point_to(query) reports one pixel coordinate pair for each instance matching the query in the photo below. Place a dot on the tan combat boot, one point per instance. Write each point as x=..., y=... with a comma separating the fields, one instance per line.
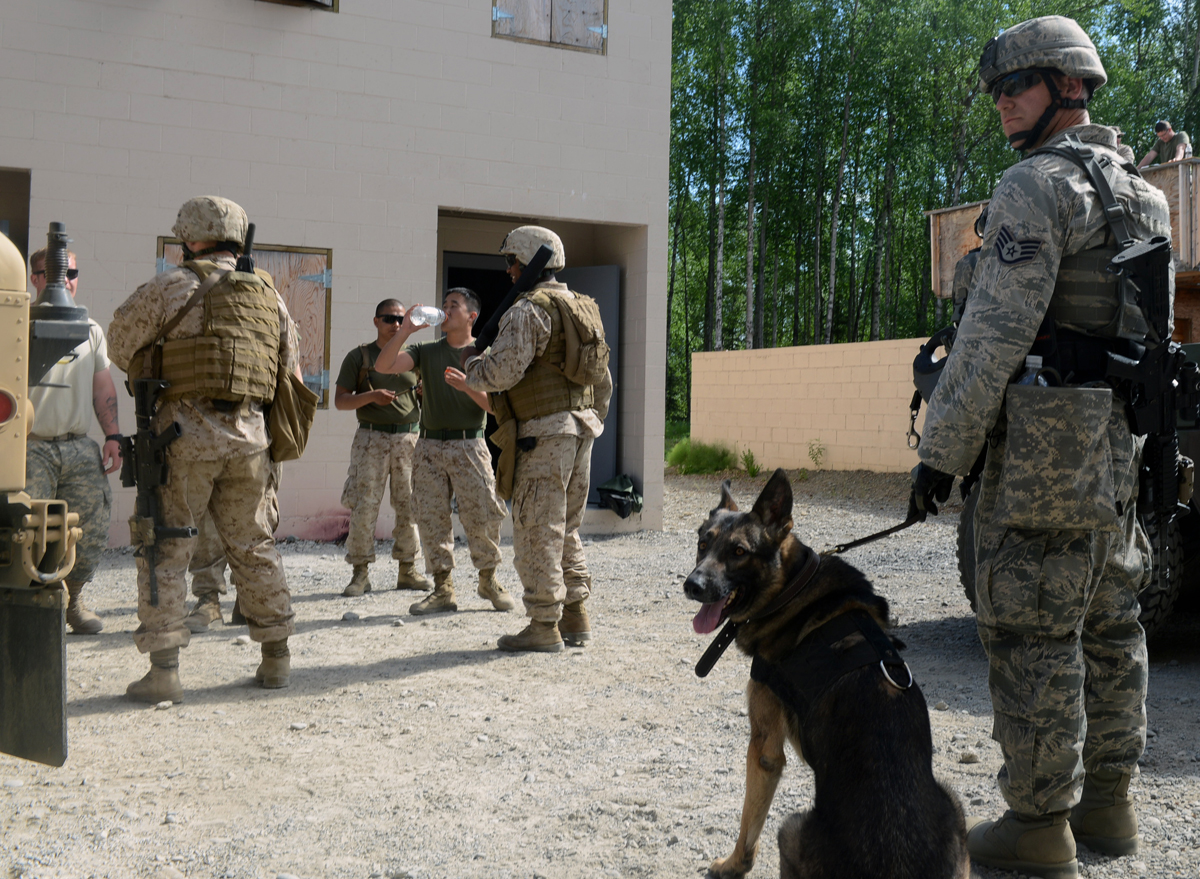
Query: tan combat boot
x=1104, y=820
x=360, y=582
x=161, y=683
x=493, y=591
x=206, y=612
x=538, y=636
x=276, y=666
x=408, y=578
x=1034, y=845
x=81, y=620
x=574, y=626
x=441, y=599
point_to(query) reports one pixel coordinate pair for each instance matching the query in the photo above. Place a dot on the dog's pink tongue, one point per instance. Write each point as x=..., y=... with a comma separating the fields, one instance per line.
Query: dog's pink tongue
x=709, y=616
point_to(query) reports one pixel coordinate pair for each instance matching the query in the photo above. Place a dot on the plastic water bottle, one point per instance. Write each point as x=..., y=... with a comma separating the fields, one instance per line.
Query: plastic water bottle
x=1033, y=374
x=427, y=316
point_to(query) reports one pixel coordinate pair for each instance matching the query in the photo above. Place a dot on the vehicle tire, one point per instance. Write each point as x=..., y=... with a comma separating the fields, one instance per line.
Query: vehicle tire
x=966, y=546
x=1159, y=597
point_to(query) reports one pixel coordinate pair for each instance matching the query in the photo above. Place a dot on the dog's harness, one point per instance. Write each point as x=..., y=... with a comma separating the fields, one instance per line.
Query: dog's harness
x=726, y=636
x=801, y=677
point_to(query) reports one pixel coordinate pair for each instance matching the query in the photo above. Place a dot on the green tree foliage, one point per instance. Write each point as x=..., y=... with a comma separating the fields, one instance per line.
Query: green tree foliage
x=800, y=127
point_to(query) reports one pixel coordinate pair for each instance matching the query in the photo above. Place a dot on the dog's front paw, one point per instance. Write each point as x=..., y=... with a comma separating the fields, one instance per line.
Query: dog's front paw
x=730, y=867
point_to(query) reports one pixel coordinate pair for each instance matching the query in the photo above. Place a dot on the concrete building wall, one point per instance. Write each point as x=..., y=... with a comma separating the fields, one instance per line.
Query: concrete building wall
x=851, y=401
x=361, y=131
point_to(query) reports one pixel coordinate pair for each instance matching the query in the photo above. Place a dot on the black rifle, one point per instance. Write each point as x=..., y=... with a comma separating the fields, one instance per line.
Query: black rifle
x=144, y=464
x=529, y=277
x=245, y=262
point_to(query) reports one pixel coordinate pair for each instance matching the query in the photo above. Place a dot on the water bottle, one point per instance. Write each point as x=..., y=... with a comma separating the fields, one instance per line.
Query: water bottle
x=1035, y=375
x=426, y=316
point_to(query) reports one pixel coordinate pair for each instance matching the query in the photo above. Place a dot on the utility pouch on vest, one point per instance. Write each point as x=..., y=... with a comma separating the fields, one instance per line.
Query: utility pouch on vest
x=290, y=417
x=1058, y=470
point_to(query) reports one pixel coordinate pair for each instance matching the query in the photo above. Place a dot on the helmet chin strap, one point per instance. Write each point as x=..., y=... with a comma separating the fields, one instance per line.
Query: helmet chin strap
x=1027, y=140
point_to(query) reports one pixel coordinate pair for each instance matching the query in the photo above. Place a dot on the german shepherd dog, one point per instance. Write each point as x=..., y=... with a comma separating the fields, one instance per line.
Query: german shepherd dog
x=826, y=678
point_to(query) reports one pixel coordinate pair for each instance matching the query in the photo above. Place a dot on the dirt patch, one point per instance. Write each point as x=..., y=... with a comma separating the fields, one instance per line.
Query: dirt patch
x=412, y=747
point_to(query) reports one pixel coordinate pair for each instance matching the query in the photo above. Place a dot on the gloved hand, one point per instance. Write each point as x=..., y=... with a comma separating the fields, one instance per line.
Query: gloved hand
x=930, y=487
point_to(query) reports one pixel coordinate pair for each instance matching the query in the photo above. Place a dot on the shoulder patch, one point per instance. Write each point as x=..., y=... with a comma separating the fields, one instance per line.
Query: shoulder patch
x=1013, y=252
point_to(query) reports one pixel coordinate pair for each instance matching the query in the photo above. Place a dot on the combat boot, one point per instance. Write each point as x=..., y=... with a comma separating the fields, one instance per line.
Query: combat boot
x=574, y=626
x=441, y=599
x=408, y=578
x=1104, y=820
x=1034, y=845
x=161, y=683
x=538, y=637
x=360, y=582
x=493, y=591
x=206, y=612
x=276, y=666
x=81, y=620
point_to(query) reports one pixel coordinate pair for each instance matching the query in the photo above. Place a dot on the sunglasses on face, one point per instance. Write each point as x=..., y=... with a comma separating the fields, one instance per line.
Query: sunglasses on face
x=1015, y=84
x=391, y=318
x=510, y=260
x=72, y=274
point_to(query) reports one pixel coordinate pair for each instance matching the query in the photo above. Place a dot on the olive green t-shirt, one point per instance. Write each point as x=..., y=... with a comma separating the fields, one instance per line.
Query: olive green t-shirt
x=1166, y=151
x=443, y=407
x=402, y=410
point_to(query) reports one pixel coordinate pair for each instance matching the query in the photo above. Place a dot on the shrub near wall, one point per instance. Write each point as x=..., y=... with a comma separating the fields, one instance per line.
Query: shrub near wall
x=852, y=399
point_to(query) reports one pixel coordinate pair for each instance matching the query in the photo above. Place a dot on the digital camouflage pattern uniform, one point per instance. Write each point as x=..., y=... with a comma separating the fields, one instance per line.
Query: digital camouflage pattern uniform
x=377, y=458
x=220, y=464
x=61, y=461
x=1057, y=608
x=208, y=563
x=550, y=483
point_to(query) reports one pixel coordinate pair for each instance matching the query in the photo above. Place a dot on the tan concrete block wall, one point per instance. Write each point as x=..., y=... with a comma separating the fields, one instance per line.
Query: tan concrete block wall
x=851, y=399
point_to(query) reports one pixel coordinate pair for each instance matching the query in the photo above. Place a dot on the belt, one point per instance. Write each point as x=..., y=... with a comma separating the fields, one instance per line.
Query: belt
x=452, y=434
x=390, y=428
x=61, y=438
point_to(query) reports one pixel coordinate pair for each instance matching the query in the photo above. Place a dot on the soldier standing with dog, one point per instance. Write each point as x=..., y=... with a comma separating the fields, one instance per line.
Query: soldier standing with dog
x=547, y=424
x=1060, y=554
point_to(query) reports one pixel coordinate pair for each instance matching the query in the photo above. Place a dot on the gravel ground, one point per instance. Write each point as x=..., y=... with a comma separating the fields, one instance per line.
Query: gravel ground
x=411, y=747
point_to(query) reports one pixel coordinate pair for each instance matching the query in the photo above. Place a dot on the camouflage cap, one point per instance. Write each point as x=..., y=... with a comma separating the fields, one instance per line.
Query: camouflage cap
x=211, y=218
x=1052, y=41
x=523, y=242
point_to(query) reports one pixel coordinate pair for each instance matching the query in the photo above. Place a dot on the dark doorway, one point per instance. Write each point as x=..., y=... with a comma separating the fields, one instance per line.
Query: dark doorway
x=482, y=272
x=14, y=209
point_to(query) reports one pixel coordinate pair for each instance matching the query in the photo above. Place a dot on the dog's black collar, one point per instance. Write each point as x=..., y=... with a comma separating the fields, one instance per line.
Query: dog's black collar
x=727, y=635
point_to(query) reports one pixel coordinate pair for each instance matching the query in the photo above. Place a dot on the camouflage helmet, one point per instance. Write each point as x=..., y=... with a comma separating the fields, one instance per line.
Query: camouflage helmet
x=211, y=218
x=523, y=242
x=1052, y=42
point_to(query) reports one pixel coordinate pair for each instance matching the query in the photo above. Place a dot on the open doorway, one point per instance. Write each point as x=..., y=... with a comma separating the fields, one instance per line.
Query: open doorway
x=14, y=208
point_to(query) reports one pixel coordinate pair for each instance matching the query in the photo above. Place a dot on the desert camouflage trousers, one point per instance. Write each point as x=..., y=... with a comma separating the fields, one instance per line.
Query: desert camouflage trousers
x=550, y=488
x=462, y=469
x=1057, y=613
x=70, y=470
x=377, y=458
x=235, y=492
x=208, y=563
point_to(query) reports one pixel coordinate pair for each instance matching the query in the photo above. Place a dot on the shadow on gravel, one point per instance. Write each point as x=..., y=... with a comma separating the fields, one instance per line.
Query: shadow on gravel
x=948, y=639
x=307, y=680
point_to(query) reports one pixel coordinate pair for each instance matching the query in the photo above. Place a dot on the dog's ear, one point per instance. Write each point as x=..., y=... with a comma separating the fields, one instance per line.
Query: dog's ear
x=774, y=506
x=727, y=501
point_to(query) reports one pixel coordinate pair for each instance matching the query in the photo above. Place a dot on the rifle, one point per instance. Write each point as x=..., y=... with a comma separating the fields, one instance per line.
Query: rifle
x=144, y=464
x=245, y=262
x=529, y=277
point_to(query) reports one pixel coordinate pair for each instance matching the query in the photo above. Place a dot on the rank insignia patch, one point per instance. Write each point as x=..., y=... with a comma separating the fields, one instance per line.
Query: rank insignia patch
x=1013, y=252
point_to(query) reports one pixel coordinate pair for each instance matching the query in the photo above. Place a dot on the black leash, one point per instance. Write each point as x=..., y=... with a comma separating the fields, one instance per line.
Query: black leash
x=842, y=547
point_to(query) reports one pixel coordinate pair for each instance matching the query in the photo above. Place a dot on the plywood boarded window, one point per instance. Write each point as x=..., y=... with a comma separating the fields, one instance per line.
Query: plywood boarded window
x=304, y=278
x=574, y=24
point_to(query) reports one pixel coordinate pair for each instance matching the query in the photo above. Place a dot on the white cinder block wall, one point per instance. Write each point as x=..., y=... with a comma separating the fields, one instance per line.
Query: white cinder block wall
x=347, y=130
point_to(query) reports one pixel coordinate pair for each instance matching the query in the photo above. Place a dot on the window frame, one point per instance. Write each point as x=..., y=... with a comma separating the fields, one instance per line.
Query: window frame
x=602, y=49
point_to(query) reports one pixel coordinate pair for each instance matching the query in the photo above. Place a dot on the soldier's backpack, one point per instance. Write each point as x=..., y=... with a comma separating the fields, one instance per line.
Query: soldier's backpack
x=586, y=359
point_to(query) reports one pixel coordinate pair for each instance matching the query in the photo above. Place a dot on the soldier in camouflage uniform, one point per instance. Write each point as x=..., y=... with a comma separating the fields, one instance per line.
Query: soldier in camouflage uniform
x=381, y=453
x=61, y=461
x=556, y=423
x=221, y=462
x=452, y=456
x=1060, y=555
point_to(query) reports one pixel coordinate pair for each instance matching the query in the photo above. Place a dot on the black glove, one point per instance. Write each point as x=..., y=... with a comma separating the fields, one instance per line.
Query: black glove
x=930, y=487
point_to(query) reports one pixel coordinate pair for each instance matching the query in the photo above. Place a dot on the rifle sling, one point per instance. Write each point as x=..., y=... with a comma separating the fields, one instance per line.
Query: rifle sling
x=152, y=365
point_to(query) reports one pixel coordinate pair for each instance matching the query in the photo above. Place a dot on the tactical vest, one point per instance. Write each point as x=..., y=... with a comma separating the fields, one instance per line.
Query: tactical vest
x=544, y=390
x=237, y=356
